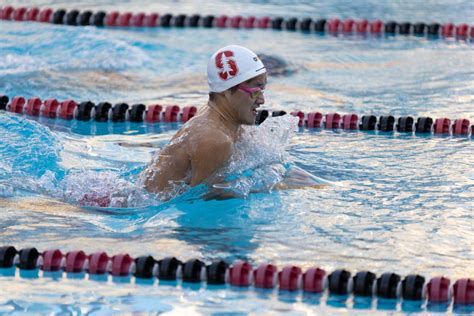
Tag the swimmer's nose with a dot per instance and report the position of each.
(260, 99)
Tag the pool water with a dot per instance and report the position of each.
(396, 202)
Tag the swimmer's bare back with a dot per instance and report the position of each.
(194, 153)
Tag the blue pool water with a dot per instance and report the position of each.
(397, 202)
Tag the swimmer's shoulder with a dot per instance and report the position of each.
(204, 130)
(195, 138)
(212, 138)
(210, 142)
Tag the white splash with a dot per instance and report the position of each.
(258, 162)
(98, 188)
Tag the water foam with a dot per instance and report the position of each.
(101, 189)
(260, 160)
(31, 162)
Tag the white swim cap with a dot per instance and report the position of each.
(232, 65)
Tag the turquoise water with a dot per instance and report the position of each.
(399, 203)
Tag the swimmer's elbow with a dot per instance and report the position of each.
(149, 186)
(148, 181)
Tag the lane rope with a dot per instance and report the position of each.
(460, 31)
(157, 113)
(242, 274)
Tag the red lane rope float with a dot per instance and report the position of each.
(153, 113)
(265, 276)
(242, 274)
(17, 105)
(141, 19)
(45, 15)
(33, 106)
(442, 126)
(156, 113)
(313, 120)
(32, 14)
(349, 121)
(333, 120)
(52, 260)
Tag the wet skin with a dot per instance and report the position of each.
(206, 143)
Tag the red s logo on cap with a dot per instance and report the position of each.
(226, 65)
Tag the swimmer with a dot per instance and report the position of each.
(237, 80)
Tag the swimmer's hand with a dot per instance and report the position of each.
(297, 178)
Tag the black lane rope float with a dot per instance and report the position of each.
(156, 113)
(242, 274)
(332, 26)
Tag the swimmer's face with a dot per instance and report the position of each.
(247, 97)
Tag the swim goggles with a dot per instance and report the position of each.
(252, 92)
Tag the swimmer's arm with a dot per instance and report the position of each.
(165, 168)
(210, 157)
